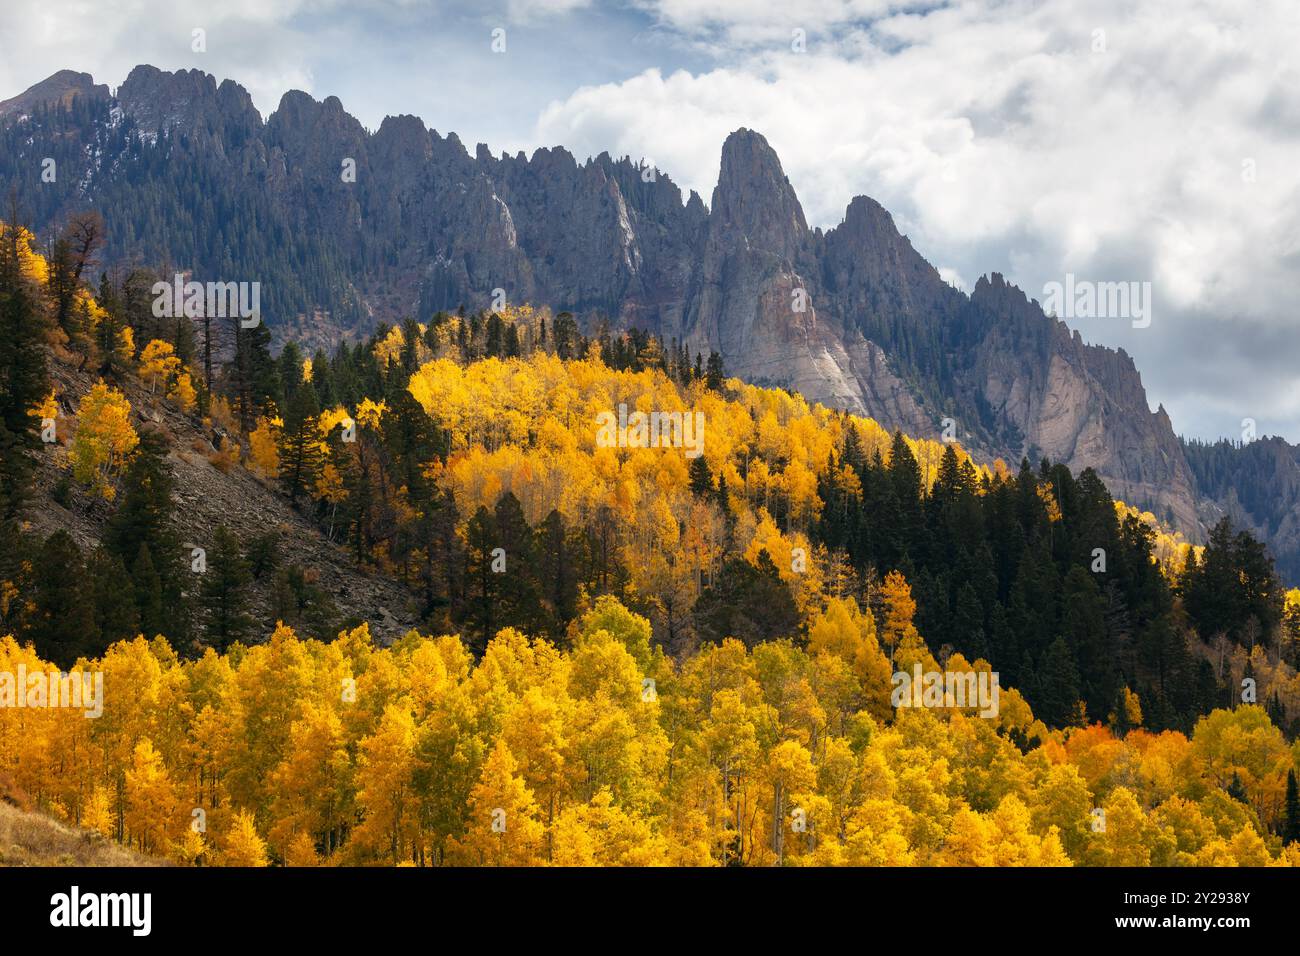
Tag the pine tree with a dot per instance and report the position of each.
(116, 615)
(251, 377)
(1291, 810)
(141, 534)
(701, 479)
(747, 601)
(714, 376)
(147, 590)
(301, 457)
(556, 573)
(1236, 789)
(1058, 685)
(222, 591)
(22, 370)
(62, 623)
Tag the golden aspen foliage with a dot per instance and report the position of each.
(103, 439)
(842, 629)
(730, 756)
(503, 828)
(152, 815)
(182, 391)
(386, 797)
(158, 364)
(244, 847)
(263, 447)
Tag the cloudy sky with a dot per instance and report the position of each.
(1144, 141)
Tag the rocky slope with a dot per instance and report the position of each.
(852, 316)
(208, 495)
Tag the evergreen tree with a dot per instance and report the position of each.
(251, 378)
(483, 577)
(701, 479)
(22, 375)
(301, 457)
(557, 573)
(147, 589)
(1236, 789)
(714, 376)
(1291, 810)
(142, 527)
(304, 606)
(222, 592)
(62, 625)
(747, 601)
(117, 617)
(1058, 686)
(519, 593)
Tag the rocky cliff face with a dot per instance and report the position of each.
(853, 316)
(1080, 404)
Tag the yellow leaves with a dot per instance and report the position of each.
(301, 852)
(1047, 495)
(539, 756)
(124, 345)
(219, 412)
(385, 765)
(103, 439)
(905, 645)
(877, 835)
(503, 827)
(32, 263)
(793, 556)
(390, 347)
(329, 485)
(369, 413)
(244, 847)
(601, 833)
(158, 363)
(182, 392)
(1132, 708)
(845, 631)
(49, 408)
(153, 812)
(332, 418)
(263, 447)
(98, 814)
(1002, 838)
(306, 370)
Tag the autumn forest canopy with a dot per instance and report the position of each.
(618, 655)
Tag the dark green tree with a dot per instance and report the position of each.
(223, 592)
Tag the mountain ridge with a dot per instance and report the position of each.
(852, 316)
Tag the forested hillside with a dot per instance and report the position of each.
(1257, 483)
(346, 227)
(632, 653)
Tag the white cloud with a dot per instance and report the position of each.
(1015, 137)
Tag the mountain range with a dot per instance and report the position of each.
(346, 228)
